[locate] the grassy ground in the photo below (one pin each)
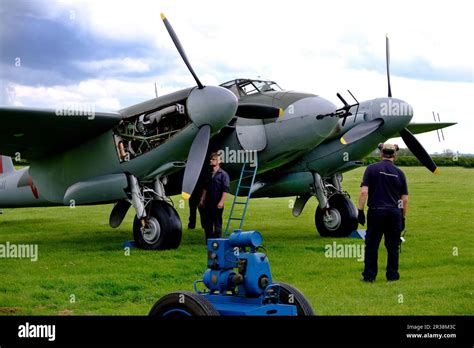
(82, 259)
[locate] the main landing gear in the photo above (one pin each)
(336, 214)
(157, 225)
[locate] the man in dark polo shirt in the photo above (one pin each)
(386, 188)
(213, 197)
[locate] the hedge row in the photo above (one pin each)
(410, 161)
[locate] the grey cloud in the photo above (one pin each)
(49, 48)
(417, 68)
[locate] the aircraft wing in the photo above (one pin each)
(417, 128)
(37, 133)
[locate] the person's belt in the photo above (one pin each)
(382, 208)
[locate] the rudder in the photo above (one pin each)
(6, 165)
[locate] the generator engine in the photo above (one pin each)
(238, 282)
(235, 265)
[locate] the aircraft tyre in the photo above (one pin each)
(290, 295)
(343, 217)
(163, 231)
(176, 230)
(182, 304)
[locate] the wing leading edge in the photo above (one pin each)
(37, 133)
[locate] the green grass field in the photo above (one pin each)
(81, 258)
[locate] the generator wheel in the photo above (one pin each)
(291, 295)
(183, 304)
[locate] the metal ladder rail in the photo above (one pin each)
(235, 202)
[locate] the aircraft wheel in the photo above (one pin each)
(162, 230)
(342, 219)
(175, 226)
(183, 304)
(291, 295)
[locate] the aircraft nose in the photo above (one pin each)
(211, 105)
(395, 113)
(302, 114)
(325, 126)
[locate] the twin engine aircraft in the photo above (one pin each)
(141, 155)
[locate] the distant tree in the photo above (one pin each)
(448, 152)
(404, 152)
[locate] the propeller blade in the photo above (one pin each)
(387, 63)
(180, 49)
(258, 111)
(360, 131)
(196, 158)
(417, 149)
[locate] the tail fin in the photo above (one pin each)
(6, 165)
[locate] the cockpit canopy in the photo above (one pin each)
(243, 87)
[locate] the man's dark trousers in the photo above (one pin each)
(388, 223)
(193, 207)
(213, 224)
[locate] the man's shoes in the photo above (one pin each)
(392, 276)
(191, 227)
(368, 280)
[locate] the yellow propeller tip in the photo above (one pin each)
(163, 17)
(185, 195)
(280, 113)
(343, 141)
(436, 172)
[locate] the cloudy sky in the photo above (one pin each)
(110, 53)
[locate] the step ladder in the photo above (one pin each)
(246, 180)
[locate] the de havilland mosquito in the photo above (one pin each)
(139, 156)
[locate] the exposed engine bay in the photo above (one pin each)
(139, 134)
